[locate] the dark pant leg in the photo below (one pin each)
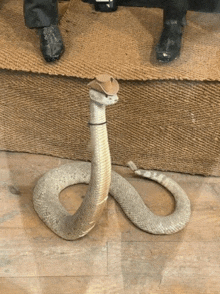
(175, 10)
(40, 13)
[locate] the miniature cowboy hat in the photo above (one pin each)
(105, 83)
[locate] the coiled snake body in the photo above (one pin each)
(101, 181)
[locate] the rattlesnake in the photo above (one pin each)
(101, 181)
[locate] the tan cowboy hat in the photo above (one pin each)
(105, 83)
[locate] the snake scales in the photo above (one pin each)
(101, 181)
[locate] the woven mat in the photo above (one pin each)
(164, 125)
(121, 43)
(170, 125)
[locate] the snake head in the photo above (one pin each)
(103, 98)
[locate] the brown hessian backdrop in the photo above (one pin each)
(168, 116)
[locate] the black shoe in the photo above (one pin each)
(106, 7)
(51, 43)
(169, 44)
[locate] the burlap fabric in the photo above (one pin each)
(168, 117)
(121, 43)
(166, 125)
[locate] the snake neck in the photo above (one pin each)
(99, 141)
(97, 113)
(101, 161)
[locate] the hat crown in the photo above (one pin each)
(105, 83)
(104, 78)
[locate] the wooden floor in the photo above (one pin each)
(115, 257)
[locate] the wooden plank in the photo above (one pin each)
(65, 285)
(115, 257)
(162, 264)
(29, 258)
(165, 258)
(117, 284)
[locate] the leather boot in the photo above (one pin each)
(51, 43)
(169, 44)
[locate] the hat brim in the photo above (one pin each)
(112, 90)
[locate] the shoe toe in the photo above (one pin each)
(52, 52)
(51, 43)
(167, 56)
